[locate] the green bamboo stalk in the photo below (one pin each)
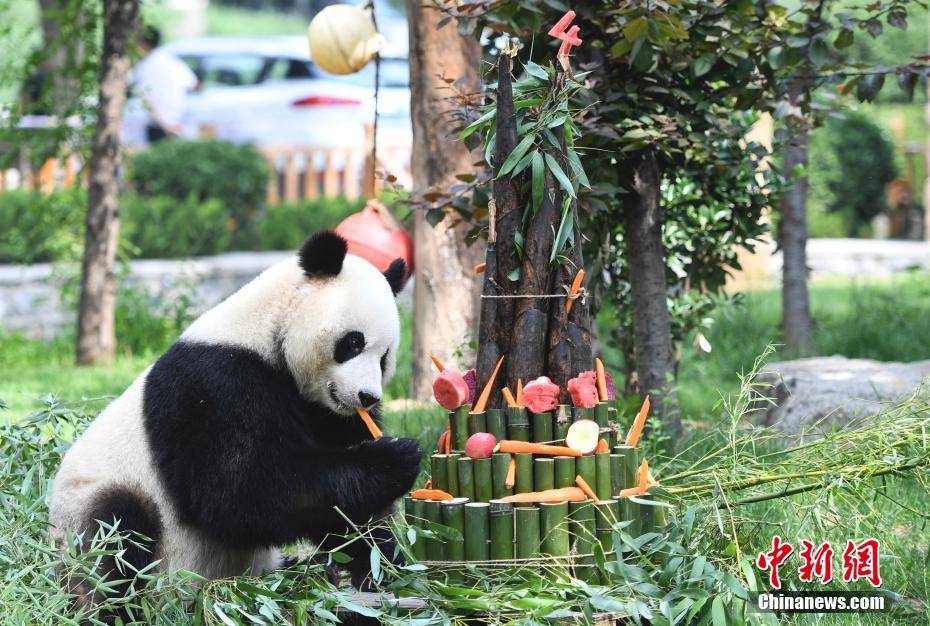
(581, 413)
(629, 465)
(477, 531)
(440, 472)
(606, 514)
(417, 517)
(459, 433)
(600, 413)
(483, 480)
(452, 473)
(518, 424)
(583, 532)
(647, 514)
(466, 473)
(564, 471)
(453, 516)
(500, 463)
(612, 415)
(524, 478)
(602, 468)
(563, 421)
(543, 474)
(477, 423)
(632, 512)
(496, 423)
(553, 528)
(586, 467)
(527, 532)
(542, 427)
(660, 518)
(616, 473)
(501, 521)
(435, 548)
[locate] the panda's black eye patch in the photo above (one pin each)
(349, 346)
(384, 360)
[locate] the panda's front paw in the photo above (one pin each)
(395, 465)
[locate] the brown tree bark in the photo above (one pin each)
(652, 335)
(96, 333)
(446, 288)
(797, 322)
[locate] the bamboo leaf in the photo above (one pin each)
(564, 232)
(534, 69)
(468, 130)
(718, 614)
(529, 102)
(539, 171)
(578, 169)
(517, 154)
(553, 166)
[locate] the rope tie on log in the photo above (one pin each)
(581, 294)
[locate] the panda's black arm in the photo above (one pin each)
(230, 439)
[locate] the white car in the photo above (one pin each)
(266, 91)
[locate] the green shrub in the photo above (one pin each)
(235, 175)
(163, 227)
(37, 227)
(285, 226)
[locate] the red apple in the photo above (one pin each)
(583, 436)
(450, 390)
(480, 446)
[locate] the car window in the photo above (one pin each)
(230, 70)
(288, 69)
(394, 73)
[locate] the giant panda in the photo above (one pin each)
(244, 435)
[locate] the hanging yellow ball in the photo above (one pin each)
(343, 38)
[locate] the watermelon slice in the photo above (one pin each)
(541, 395)
(450, 390)
(583, 389)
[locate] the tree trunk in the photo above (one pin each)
(446, 287)
(652, 335)
(797, 323)
(96, 334)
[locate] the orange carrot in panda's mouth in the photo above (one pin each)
(370, 423)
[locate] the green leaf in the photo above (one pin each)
(906, 82)
(539, 184)
(778, 57)
(703, 64)
(534, 69)
(717, 612)
(468, 130)
(434, 216)
(818, 52)
(636, 28)
(844, 39)
(553, 166)
(578, 169)
(529, 102)
(897, 18)
(375, 560)
(517, 154)
(564, 232)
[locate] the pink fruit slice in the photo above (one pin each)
(480, 446)
(583, 436)
(541, 395)
(583, 389)
(450, 390)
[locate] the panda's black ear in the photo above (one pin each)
(395, 275)
(322, 254)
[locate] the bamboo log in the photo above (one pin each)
(582, 413)
(466, 474)
(501, 521)
(543, 474)
(564, 473)
(452, 473)
(606, 515)
(602, 465)
(647, 517)
(553, 528)
(563, 421)
(524, 483)
(527, 532)
(518, 424)
(583, 532)
(586, 467)
(500, 462)
(542, 427)
(629, 510)
(459, 420)
(477, 423)
(439, 475)
(496, 424)
(453, 516)
(483, 480)
(477, 531)
(601, 413)
(435, 548)
(616, 473)
(416, 519)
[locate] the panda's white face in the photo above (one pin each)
(341, 342)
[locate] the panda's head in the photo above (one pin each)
(341, 335)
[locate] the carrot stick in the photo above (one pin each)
(508, 397)
(636, 429)
(563, 494)
(644, 476)
(602, 446)
(576, 285)
(586, 488)
(370, 423)
(438, 365)
(519, 392)
(511, 477)
(479, 269)
(601, 380)
(628, 492)
(448, 446)
(428, 484)
(431, 494)
(486, 392)
(514, 447)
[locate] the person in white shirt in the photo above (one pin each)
(163, 81)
